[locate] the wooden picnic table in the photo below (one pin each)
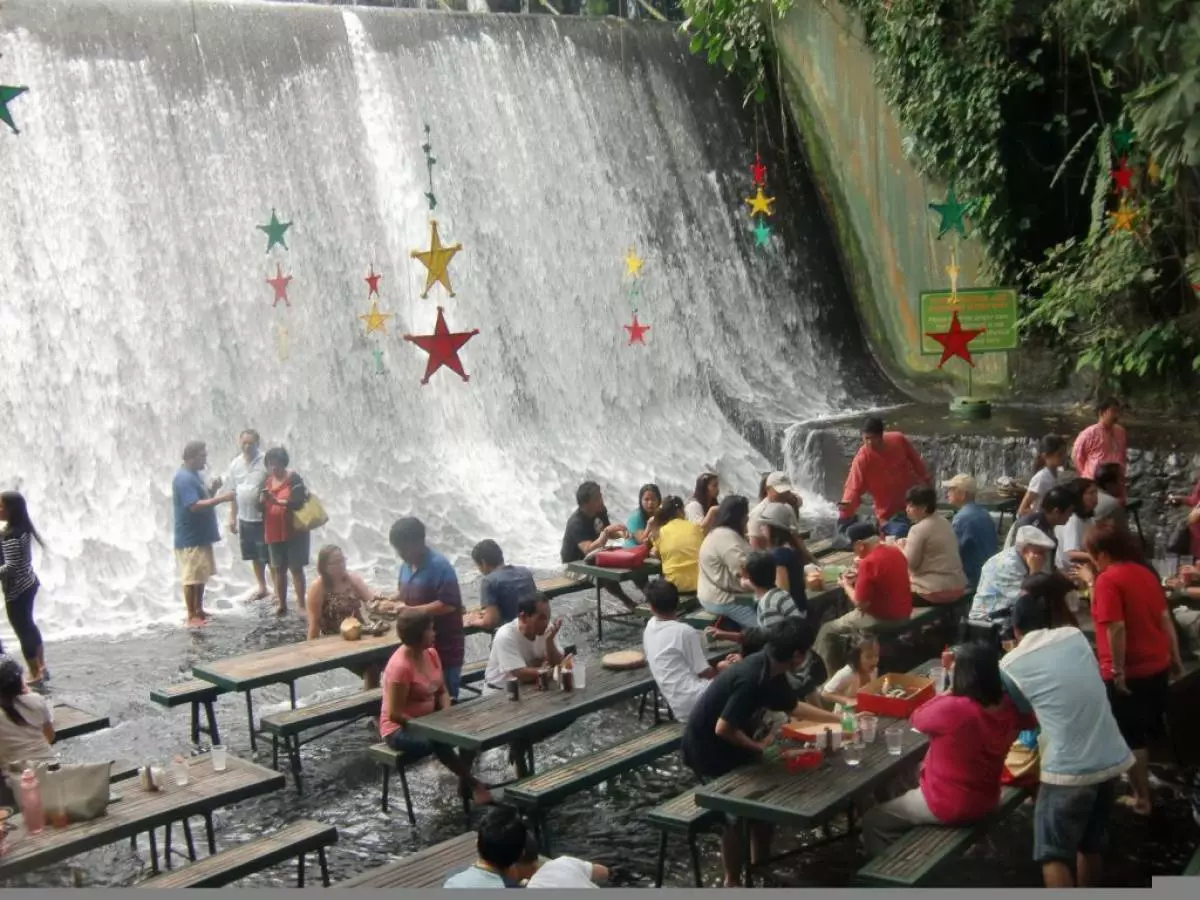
(426, 868)
(600, 575)
(70, 721)
(142, 811)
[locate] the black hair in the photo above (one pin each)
(500, 840)
(700, 492)
(1050, 589)
(12, 683)
(1108, 475)
(531, 852)
(1030, 613)
(276, 455)
(1119, 546)
(662, 596)
(653, 489)
(411, 629)
(409, 530)
(252, 433)
(857, 645)
(1059, 498)
(734, 512)
(977, 673)
(788, 637)
(488, 553)
(528, 605)
(1106, 404)
(923, 496)
(1050, 445)
(18, 516)
(753, 640)
(780, 537)
(586, 493)
(1078, 487)
(192, 449)
(873, 426)
(672, 508)
(760, 569)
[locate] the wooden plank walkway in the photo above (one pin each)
(426, 868)
(70, 721)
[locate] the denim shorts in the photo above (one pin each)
(745, 615)
(1070, 819)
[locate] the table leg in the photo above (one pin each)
(191, 842)
(167, 843)
(212, 838)
(195, 722)
(599, 613)
(250, 721)
(153, 852)
(744, 837)
(292, 692)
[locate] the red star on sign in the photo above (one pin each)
(758, 170)
(372, 281)
(954, 342)
(1121, 176)
(442, 346)
(280, 283)
(637, 331)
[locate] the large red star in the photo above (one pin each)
(758, 170)
(442, 346)
(280, 283)
(1121, 176)
(372, 281)
(954, 342)
(637, 331)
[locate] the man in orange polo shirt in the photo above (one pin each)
(885, 466)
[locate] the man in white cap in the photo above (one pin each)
(973, 527)
(777, 488)
(1000, 580)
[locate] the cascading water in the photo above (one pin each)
(156, 136)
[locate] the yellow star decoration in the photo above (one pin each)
(760, 204)
(1122, 218)
(281, 342)
(633, 263)
(952, 270)
(436, 259)
(375, 320)
(1153, 172)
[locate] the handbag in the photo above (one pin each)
(630, 558)
(81, 792)
(1180, 541)
(310, 516)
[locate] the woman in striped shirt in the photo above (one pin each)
(19, 582)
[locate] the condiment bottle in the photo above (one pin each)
(30, 796)
(568, 674)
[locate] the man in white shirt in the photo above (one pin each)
(674, 651)
(568, 872)
(525, 645)
(247, 474)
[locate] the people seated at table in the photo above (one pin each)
(674, 651)
(862, 667)
(1082, 753)
(970, 731)
(1057, 507)
(588, 529)
(1052, 453)
(503, 847)
(338, 594)
(722, 561)
(1137, 646)
(1071, 536)
(639, 526)
(725, 729)
(500, 590)
(772, 605)
(877, 587)
(780, 529)
(701, 507)
(26, 723)
(677, 544)
(1000, 580)
(414, 685)
(428, 585)
(972, 526)
(776, 487)
(567, 872)
(935, 570)
(885, 466)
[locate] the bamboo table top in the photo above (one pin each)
(288, 662)
(139, 811)
(71, 722)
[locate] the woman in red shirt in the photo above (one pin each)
(1137, 646)
(970, 730)
(283, 493)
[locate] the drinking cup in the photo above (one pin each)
(867, 724)
(895, 739)
(852, 753)
(218, 758)
(179, 770)
(938, 676)
(580, 674)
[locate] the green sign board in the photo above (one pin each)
(994, 309)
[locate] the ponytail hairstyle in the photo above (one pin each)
(1050, 445)
(671, 508)
(12, 685)
(17, 511)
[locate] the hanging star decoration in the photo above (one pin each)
(1153, 172)
(762, 233)
(430, 162)
(281, 342)
(1122, 217)
(280, 284)
(952, 212)
(1122, 175)
(378, 354)
(758, 170)
(1122, 140)
(275, 231)
(8, 93)
(637, 331)
(376, 320)
(952, 271)
(372, 281)
(442, 346)
(633, 263)
(760, 204)
(955, 341)
(437, 260)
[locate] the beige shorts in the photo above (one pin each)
(196, 564)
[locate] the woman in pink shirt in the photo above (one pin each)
(970, 730)
(413, 686)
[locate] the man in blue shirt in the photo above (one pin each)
(973, 527)
(501, 589)
(195, 528)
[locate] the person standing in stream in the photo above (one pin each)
(885, 466)
(19, 581)
(196, 528)
(247, 474)
(283, 493)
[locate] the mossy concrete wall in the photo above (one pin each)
(878, 203)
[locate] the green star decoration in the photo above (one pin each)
(274, 231)
(762, 233)
(1122, 140)
(952, 212)
(8, 93)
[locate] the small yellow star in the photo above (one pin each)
(281, 342)
(1153, 172)
(375, 320)
(952, 270)
(759, 203)
(633, 263)
(1122, 218)
(437, 260)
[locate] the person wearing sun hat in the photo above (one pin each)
(1001, 576)
(973, 527)
(776, 488)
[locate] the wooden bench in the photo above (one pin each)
(538, 793)
(71, 722)
(198, 693)
(918, 618)
(426, 868)
(681, 816)
(921, 852)
(290, 724)
(472, 675)
(559, 586)
(293, 842)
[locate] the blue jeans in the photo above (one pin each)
(413, 748)
(20, 617)
(745, 616)
(453, 677)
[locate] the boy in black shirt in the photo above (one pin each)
(588, 529)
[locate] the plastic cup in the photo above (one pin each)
(938, 676)
(580, 675)
(867, 725)
(179, 772)
(895, 739)
(218, 758)
(852, 752)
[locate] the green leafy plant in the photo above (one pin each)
(734, 34)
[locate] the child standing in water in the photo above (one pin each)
(18, 580)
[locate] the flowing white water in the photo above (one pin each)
(155, 137)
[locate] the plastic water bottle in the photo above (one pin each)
(30, 798)
(848, 723)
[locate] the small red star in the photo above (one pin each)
(954, 342)
(442, 346)
(372, 281)
(758, 170)
(280, 283)
(1121, 176)
(637, 331)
